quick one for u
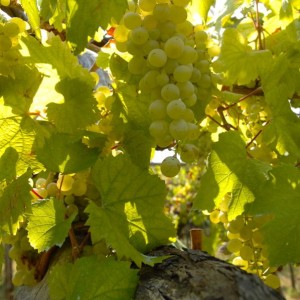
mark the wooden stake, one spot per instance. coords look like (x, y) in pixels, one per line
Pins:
(196, 238)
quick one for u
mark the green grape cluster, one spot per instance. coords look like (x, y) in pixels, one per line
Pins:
(25, 256)
(9, 41)
(172, 68)
(244, 241)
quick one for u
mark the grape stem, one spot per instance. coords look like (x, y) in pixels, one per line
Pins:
(43, 263)
(37, 194)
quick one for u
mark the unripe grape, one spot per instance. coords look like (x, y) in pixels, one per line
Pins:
(175, 109)
(204, 81)
(52, 189)
(188, 115)
(191, 100)
(65, 182)
(272, 281)
(5, 2)
(158, 109)
(186, 89)
(158, 128)
(42, 192)
(162, 79)
(201, 36)
(177, 14)
(178, 129)
(238, 261)
(147, 5)
(5, 43)
(69, 199)
(246, 253)
(189, 153)
(71, 209)
(193, 131)
(170, 66)
(164, 141)
(79, 187)
(246, 233)
(170, 166)
(40, 183)
(18, 278)
(161, 12)
(214, 217)
(170, 92)
(182, 73)
(149, 22)
(257, 238)
(132, 20)
(167, 29)
(150, 45)
(188, 56)
(139, 35)
(134, 49)
(21, 23)
(157, 58)
(203, 66)
(181, 2)
(174, 47)
(137, 65)
(234, 245)
(236, 225)
(186, 28)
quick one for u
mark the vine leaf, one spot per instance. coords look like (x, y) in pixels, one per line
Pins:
(91, 278)
(15, 200)
(66, 154)
(78, 110)
(236, 53)
(131, 218)
(280, 196)
(47, 224)
(230, 171)
(32, 12)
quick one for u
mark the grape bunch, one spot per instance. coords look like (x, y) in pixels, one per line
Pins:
(9, 41)
(25, 256)
(244, 241)
(170, 61)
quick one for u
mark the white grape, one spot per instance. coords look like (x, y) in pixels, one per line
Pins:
(179, 129)
(158, 128)
(176, 109)
(157, 58)
(132, 20)
(170, 166)
(174, 47)
(158, 109)
(170, 92)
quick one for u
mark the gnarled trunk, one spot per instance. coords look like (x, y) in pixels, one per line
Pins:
(189, 275)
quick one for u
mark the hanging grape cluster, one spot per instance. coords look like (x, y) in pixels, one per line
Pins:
(244, 242)
(170, 60)
(9, 41)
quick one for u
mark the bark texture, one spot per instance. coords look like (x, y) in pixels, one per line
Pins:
(187, 275)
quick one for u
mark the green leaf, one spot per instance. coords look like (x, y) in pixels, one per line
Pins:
(18, 133)
(90, 278)
(15, 200)
(79, 108)
(32, 12)
(84, 18)
(54, 11)
(280, 196)
(66, 154)
(18, 92)
(55, 62)
(102, 60)
(138, 144)
(47, 224)
(8, 172)
(242, 64)
(230, 170)
(202, 7)
(131, 218)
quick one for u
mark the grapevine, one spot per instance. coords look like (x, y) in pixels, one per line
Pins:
(88, 95)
